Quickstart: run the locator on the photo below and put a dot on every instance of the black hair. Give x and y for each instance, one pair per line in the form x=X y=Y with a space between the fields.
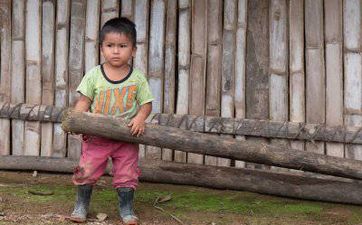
x=120 y=25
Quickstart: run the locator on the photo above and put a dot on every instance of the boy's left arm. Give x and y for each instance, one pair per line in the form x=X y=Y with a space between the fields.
x=137 y=124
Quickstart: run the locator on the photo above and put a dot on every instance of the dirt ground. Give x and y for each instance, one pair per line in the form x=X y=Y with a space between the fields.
x=41 y=198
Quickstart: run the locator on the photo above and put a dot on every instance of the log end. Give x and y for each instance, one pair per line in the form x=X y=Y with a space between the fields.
x=66 y=118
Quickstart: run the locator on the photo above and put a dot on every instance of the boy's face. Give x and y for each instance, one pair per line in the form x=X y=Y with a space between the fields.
x=117 y=49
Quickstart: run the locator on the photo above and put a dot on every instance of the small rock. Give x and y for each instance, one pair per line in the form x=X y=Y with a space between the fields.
x=35 y=173
x=102 y=217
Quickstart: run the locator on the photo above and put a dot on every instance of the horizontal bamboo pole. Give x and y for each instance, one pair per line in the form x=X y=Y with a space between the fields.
x=267 y=182
x=187 y=141
x=209 y=124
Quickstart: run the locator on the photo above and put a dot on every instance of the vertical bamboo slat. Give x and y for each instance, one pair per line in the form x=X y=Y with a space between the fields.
x=91 y=49
x=5 y=67
x=315 y=72
x=198 y=66
x=213 y=69
x=170 y=67
x=127 y=9
x=228 y=65
x=334 y=71
x=352 y=71
x=257 y=63
x=156 y=63
x=61 y=72
x=18 y=68
x=75 y=64
x=47 y=71
x=184 y=29
x=296 y=68
x=33 y=73
x=140 y=61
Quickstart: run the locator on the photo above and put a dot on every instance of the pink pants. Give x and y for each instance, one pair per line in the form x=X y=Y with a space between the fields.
x=93 y=162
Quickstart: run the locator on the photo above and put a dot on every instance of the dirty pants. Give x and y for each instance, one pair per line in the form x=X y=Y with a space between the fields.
x=94 y=157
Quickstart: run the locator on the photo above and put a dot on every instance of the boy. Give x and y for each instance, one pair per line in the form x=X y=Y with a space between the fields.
x=113 y=88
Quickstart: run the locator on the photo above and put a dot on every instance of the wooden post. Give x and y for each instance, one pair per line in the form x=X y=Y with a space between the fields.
x=109 y=10
x=334 y=70
x=296 y=66
x=214 y=57
x=140 y=61
x=5 y=67
x=47 y=71
x=156 y=62
x=33 y=73
x=170 y=67
x=76 y=64
x=352 y=71
x=127 y=9
x=257 y=63
x=91 y=49
x=184 y=35
x=315 y=72
x=61 y=72
x=198 y=65
x=174 y=138
x=18 y=68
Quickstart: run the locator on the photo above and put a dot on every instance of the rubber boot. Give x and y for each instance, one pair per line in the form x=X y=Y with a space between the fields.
x=80 y=211
x=125 y=197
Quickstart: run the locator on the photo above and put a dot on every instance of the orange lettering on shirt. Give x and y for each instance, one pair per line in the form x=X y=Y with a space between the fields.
x=99 y=103
x=108 y=100
x=131 y=94
x=118 y=100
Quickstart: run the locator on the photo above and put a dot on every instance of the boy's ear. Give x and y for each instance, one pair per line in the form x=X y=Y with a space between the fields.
x=134 y=51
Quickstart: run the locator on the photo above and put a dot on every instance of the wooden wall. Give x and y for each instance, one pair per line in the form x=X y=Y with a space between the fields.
x=283 y=60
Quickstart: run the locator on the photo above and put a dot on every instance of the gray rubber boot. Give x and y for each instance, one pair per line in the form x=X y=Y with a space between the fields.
x=126 y=196
x=80 y=211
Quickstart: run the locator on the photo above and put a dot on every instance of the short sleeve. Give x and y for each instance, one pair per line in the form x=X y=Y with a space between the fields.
x=86 y=86
x=144 y=94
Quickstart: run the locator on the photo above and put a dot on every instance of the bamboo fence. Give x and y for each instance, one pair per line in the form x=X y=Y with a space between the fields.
x=279 y=60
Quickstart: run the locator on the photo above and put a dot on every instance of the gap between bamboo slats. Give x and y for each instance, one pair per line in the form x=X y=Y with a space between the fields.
x=18 y=68
x=33 y=73
x=198 y=65
x=76 y=65
x=334 y=70
x=296 y=66
x=61 y=73
x=213 y=69
x=183 y=64
x=140 y=61
x=170 y=67
x=5 y=70
x=257 y=65
x=352 y=71
x=47 y=71
x=156 y=62
x=315 y=68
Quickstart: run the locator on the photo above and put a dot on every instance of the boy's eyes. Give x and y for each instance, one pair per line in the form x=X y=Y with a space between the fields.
x=120 y=46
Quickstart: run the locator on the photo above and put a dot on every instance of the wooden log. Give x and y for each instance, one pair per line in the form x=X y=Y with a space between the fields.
x=18 y=68
x=183 y=51
x=214 y=57
x=301 y=186
x=33 y=73
x=315 y=68
x=5 y=68
x=170 y=67
x=156 y=62
x=239 y=92
x=91 y=49
x=334 y=70
x=352 y=71
x=47 y=71
x=198 y=65
x=208 y=124
x=61 y=72
x=296 y=66
x=169 y=137
x=76 y=64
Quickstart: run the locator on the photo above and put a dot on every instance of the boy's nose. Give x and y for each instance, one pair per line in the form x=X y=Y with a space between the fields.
x=116 y=50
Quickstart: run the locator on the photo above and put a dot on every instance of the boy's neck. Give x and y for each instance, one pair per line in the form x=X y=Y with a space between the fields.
x=116 y=73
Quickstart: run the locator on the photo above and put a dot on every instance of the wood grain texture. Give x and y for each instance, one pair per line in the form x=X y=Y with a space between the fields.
x=91 y=49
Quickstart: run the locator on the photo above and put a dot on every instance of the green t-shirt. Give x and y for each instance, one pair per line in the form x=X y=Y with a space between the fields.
x=117 y=98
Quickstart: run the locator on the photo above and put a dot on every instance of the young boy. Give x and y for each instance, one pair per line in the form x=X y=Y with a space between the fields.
x=113 y=88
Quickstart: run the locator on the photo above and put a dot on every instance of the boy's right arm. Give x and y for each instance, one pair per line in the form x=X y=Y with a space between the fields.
x=82 y=104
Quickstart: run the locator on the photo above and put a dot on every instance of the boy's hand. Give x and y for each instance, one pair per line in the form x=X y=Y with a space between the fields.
x=137 y=126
